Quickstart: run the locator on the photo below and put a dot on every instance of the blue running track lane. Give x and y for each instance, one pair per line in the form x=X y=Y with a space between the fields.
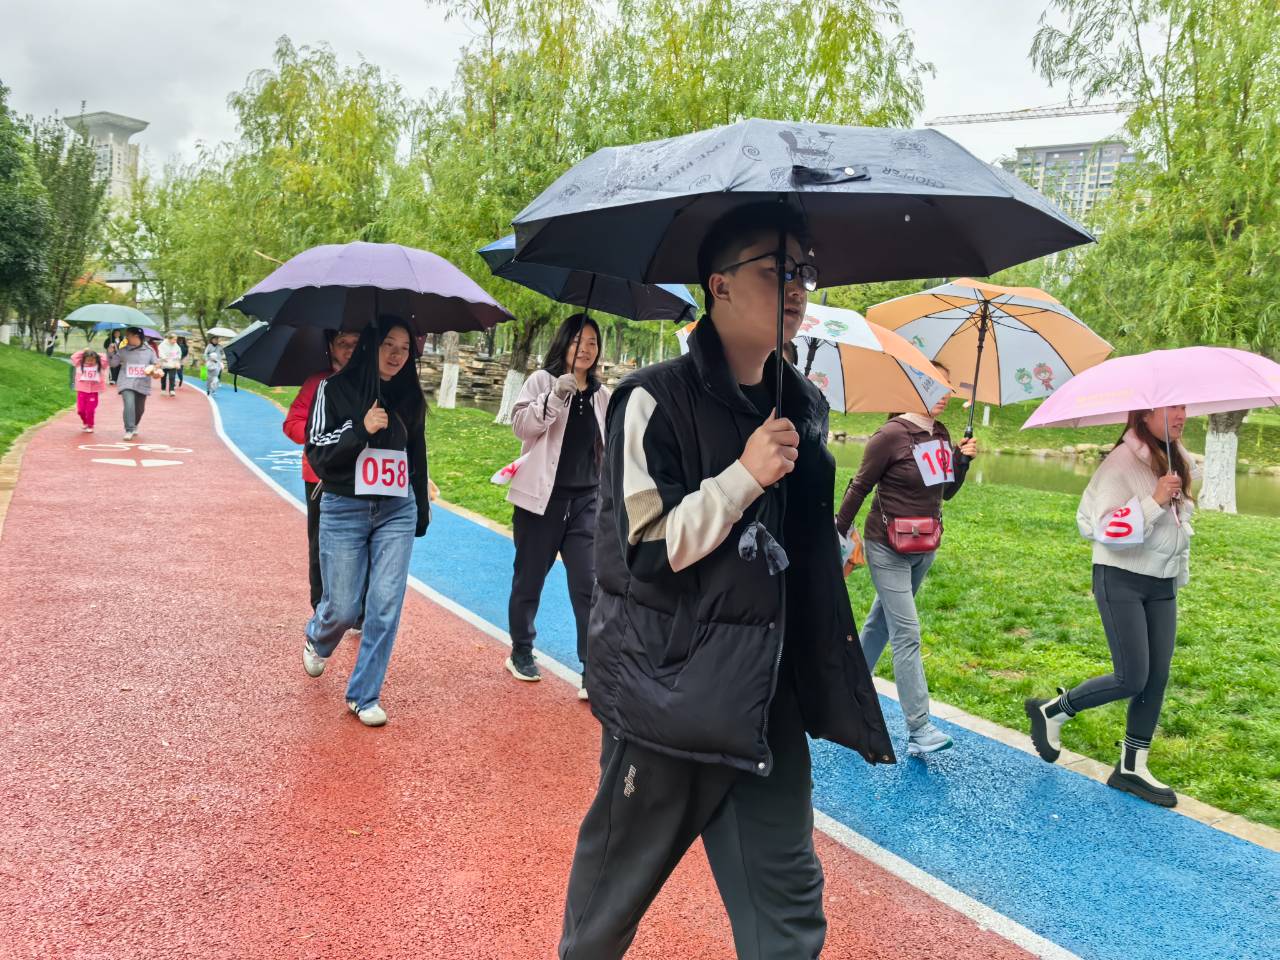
x=1099 y=873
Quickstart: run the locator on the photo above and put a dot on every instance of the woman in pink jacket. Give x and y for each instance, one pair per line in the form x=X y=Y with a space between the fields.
x=90 y=372
x=559 y=416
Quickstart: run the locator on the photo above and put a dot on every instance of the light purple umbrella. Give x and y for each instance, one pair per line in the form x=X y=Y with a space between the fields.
x=1203 y=379
x=344 y=286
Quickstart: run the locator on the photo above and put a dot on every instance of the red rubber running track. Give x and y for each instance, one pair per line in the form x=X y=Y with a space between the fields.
x=174 y=785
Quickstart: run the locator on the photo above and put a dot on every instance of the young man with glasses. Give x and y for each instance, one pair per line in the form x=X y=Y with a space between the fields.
x=721 y=631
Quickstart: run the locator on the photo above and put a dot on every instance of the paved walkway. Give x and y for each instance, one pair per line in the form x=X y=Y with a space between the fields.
x=174 y=785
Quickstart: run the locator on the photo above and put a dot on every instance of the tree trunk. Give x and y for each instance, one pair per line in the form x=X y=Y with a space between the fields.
x=447 y=397
x=1220 y=448
x=517 y=372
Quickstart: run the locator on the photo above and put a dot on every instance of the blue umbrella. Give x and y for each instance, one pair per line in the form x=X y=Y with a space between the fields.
x=592 y=291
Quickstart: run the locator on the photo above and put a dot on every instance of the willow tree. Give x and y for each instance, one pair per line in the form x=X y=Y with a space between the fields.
x=1189 y=248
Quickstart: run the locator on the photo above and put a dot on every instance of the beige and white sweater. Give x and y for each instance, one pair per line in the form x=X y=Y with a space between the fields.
x=1126 y=475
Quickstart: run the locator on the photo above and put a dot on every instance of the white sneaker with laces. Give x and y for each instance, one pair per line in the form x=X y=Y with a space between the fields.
x=371 y=716
x=312 y=662
x=927 y=739
x=128 y=436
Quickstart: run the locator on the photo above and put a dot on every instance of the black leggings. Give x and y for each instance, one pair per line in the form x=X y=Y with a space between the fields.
x=1140 y=617
x=170 y=381
x=567 y=527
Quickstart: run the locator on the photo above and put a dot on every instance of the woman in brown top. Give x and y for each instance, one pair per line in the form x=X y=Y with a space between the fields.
x=914 y=467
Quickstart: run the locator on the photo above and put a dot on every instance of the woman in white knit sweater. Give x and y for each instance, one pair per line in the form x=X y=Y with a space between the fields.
x=1137 y=510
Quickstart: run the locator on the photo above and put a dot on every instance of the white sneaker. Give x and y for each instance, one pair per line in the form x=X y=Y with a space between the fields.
x=86 y=429
x=128 y=436
x=582 y=694
x=312 y=662
x=371 y=716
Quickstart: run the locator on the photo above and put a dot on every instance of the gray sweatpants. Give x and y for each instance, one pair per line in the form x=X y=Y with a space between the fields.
x=893 y=620
x=135 y=404
x=757 y=832
x=1140 y=617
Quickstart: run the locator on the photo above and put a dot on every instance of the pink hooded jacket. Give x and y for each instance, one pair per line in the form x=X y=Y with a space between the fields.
x=89 y=380
x=539 y=421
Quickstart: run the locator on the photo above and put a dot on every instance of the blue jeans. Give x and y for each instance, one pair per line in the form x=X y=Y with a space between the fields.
x=893 y=620
x=363 y=541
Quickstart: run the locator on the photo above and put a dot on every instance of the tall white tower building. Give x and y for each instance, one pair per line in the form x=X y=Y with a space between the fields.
x=117 y=158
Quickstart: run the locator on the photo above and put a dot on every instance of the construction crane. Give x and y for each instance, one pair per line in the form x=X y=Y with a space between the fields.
x=1031 y=113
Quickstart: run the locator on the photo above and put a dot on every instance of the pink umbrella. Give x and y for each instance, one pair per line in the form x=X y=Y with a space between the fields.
x=1204 y=379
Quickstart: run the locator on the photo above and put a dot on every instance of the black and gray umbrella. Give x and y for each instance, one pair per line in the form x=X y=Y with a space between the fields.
x=622 y=298
x=880 y=204
x=278 y=355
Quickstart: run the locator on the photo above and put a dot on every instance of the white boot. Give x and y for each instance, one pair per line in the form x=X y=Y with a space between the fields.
x=1047 y=719
x=1132 y=776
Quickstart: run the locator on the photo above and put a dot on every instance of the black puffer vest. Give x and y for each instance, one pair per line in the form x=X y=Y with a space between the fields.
x=687 y=664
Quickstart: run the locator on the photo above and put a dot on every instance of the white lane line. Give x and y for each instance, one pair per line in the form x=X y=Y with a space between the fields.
x=982 y=915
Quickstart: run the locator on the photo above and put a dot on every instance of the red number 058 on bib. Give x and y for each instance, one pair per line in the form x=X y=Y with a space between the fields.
x=383 y=473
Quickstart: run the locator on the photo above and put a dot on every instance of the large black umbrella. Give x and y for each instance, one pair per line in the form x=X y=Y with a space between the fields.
x=880 y=204
x=278 y=355
x=622 y=298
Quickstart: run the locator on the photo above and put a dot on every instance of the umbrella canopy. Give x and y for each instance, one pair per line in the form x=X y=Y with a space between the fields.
x=343 y=287
x=1036 y=344
x=278 y=355
x=622 y=298
x=221 y=332
x=152 y=334
x=1204 y=379
x=860 y=367
x=880 y=204
x=107 y=316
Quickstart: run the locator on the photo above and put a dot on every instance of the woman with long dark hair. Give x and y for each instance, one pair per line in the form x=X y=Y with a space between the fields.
x=1137 y=511
x=559 y=416
x=367 y=444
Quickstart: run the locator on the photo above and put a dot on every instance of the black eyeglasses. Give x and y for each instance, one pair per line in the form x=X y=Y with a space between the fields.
x=807 y=272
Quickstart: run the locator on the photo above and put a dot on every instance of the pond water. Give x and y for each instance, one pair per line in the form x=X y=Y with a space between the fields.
x=1255 y=493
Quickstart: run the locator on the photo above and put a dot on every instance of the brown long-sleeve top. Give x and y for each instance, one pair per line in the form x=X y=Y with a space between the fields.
x=889 y=465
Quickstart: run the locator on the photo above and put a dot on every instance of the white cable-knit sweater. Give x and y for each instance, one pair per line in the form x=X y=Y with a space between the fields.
x=1166 y=543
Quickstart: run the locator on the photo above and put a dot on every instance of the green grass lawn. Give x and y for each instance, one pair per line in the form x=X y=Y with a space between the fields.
x=1259 y=437
x=1008 y=613
x=32 y=388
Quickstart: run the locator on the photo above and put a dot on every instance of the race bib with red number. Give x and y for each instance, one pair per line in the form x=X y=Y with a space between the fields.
x=382 y=473
x=933 y=458
x=136 y=371
x=1122 y=527
x=91 y=374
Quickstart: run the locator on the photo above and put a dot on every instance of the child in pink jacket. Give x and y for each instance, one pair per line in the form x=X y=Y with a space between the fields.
x=90 y=374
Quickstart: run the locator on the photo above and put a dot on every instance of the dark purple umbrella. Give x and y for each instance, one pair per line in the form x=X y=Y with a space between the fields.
x=344 y=286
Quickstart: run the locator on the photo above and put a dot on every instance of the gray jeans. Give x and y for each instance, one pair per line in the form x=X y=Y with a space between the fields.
x=135 y=404
x=893 y=620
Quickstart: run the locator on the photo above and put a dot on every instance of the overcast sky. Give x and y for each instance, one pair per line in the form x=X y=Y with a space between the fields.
x=174 y=64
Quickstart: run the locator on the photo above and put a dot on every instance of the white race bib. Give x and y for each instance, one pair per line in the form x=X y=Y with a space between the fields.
x=933 y=459
x=137 y=371
x=92 y=374
x=1122 y=527
x=383 y=473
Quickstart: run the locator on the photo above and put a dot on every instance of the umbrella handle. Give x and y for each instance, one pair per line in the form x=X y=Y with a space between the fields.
x=782 y=292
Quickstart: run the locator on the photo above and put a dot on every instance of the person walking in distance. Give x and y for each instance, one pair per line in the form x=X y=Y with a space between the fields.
x=720 y=630
x=215 y=359
x=341 y=345
x=139 y=366
x=913 y=467
x=1137 y=511
x=559 y=417
x=90 y=374
x=170 y=363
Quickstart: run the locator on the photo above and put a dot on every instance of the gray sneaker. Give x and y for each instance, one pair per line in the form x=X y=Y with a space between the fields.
x=522 y=667
x=927 y=739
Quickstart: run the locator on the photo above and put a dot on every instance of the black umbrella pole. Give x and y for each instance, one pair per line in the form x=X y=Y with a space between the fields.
x=977 y=368
x=782 y=291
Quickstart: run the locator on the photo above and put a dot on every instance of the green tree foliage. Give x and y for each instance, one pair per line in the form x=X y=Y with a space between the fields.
x=1189 y=247
x=24 y=213
x=65 y=162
